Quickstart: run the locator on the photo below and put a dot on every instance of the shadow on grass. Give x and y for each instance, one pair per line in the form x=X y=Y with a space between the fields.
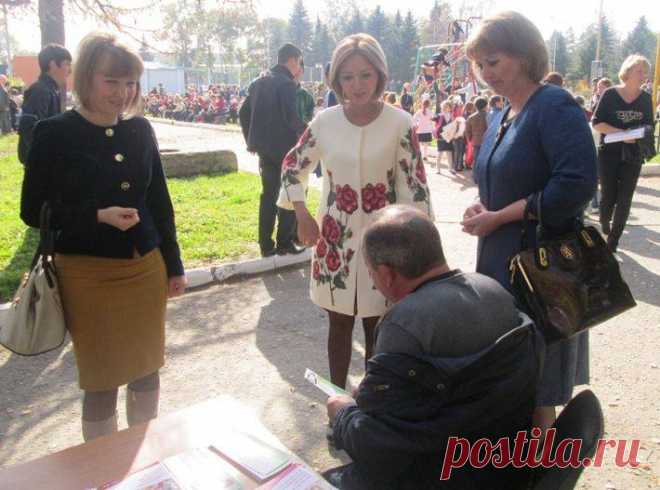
x=11 y=275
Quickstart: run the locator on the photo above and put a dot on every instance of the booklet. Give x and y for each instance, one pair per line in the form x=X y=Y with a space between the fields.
x=629 y=134
x=296 y=477
x=195 y=469
x=323 y=384
x=255 y=456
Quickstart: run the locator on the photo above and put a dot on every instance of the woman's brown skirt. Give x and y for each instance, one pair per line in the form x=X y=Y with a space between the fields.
x=115 y=313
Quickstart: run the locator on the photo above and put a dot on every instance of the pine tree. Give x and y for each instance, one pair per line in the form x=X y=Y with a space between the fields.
x=436 y=28
x=409 y=45
x=321 y=49
x=300 y=28
x=355 y=25
x=558 y=53
x=377 y=25
x=393 y=48
x=640 y=40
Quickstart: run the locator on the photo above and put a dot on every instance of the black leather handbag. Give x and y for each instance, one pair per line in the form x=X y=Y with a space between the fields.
x=568 y=283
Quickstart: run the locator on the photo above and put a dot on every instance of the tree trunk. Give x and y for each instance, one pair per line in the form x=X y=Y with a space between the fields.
x=51 y=21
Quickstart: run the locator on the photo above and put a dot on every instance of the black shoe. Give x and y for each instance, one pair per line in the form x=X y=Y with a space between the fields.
x=269 y=253
x=605 y=227
x=290 y=249
x=612 y=243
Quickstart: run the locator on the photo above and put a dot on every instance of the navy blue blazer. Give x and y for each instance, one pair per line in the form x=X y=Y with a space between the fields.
x=80 y=168
x=548 y=147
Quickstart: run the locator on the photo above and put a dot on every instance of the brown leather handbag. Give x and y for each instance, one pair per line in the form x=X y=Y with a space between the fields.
x=568 y=283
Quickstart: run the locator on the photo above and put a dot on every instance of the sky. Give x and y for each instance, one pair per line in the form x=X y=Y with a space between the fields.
x=547 y=15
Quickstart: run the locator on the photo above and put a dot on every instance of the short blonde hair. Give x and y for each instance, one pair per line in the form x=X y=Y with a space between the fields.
x=100 y=50
x=631 y=62
x=368 y=47
x=514 y=35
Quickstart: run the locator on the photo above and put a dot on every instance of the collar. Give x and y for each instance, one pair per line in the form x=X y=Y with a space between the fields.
x=282 y=70
x=50 y=81
x=441 y=277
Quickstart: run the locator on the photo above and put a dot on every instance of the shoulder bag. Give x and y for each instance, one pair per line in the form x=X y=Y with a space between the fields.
x=35 y=320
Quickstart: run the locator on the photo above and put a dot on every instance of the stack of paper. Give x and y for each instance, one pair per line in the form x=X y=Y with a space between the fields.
x=630 y=134
x=323 y=384
x=252 y=454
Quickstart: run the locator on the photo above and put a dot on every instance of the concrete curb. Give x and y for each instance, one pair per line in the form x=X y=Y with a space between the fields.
x=650 y=169
x=206 y=276
x=217 y=127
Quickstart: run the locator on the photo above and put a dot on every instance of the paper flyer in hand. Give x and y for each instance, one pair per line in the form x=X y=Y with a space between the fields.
x=323 y=384
x=630 y=134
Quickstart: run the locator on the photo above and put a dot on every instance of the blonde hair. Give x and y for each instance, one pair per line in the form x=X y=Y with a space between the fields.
x=100 y=50
x=631 y=62
x=368 y=47
x=514 y=35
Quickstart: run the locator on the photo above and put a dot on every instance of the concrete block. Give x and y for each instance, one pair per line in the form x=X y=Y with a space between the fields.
x=199 y=277
x=188 y=164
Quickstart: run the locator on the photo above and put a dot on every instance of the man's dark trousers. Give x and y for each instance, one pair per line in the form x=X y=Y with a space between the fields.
x=271 y=171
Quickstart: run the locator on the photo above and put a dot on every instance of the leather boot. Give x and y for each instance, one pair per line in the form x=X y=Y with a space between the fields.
x=141 y=406
x=96 y=428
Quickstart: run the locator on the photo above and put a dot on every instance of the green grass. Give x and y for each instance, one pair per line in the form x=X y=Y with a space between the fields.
x=217 y=218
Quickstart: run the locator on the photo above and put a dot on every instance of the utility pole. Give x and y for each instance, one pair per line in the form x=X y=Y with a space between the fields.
x=600 y=30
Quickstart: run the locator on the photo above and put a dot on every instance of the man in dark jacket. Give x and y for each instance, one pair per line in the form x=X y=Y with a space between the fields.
x=42 y=98
x=453 y=357
x=271 y=127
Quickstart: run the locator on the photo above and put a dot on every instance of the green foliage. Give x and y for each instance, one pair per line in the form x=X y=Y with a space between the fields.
x=300 y=28
x=641 y=40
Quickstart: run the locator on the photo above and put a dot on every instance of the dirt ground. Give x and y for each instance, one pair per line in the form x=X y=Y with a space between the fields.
x=253 y=339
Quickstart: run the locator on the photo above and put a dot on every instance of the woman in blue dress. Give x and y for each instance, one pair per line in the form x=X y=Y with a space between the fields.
x=540 y=143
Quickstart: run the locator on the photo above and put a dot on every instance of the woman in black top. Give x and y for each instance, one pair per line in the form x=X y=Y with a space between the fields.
x=117 y=255
x=621 y=107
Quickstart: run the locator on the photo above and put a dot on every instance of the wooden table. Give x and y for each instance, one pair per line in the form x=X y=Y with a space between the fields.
x=115 y=456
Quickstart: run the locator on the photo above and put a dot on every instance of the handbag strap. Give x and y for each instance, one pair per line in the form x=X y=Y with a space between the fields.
x=524 y=242
x=46 y=247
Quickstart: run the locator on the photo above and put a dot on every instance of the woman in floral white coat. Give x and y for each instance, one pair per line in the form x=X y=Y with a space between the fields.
x=370 y=158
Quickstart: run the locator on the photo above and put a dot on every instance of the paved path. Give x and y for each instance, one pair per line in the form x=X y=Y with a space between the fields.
x=253 y=339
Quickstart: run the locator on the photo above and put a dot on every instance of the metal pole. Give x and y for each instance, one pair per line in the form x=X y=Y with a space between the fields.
x=600 y=30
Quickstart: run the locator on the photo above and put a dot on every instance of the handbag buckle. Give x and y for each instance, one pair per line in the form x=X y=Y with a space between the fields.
x=587 y=238
x=543 y=257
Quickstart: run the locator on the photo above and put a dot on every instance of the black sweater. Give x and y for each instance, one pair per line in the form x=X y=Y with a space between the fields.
x=80 y=168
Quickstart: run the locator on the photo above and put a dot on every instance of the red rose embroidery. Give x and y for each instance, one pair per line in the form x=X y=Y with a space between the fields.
x=332 y=260
x=420 y=173
x=347 y=199
x=403 y=164
x=374 y=197
x=330 y=229
x=321 y=248
x=290 y=160
x=316 y=270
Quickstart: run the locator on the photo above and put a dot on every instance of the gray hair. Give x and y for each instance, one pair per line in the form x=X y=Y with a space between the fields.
x=405 y=239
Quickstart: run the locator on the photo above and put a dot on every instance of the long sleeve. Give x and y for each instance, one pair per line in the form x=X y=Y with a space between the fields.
x=570 y=150
x=244 y=115
x=40 y=184
x=160 y=206
x=409 y=179
x=287 y=99
x=297 y=165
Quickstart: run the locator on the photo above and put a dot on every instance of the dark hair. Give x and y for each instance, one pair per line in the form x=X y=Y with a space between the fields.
x=286 y=52
x=494 y=100
x=52 y=52
x=406 y=240
x=480 y=103
x=554 y=78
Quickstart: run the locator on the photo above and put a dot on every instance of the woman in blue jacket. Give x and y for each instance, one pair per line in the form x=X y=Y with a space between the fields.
x=539 y=144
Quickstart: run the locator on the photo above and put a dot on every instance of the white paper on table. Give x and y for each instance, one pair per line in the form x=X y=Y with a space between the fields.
x=153 y=477
x=630 y=134
x=252 y=454
x=295 y=477
x=201 y=469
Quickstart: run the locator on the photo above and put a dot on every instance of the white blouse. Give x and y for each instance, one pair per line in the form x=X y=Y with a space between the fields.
x=365 y=168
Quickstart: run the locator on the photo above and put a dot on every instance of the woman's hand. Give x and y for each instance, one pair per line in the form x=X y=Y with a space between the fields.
x=121 y=218
x=482 y=223
x=308 y=228
x=176 y=286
